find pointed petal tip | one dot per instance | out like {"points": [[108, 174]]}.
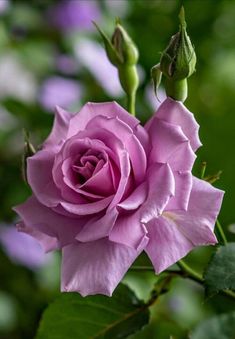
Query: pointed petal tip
{"points": [[85, 292]]}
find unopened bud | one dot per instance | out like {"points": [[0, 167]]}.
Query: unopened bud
{"points": [[123, 54], [178, 61], [124, 46]]}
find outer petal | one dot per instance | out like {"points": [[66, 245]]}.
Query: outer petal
{"points": [[95, 267], [183, 187], [108, 110], [166, 243], [128, 230], [176, 113], [135, 199], [59, 129], [161, 187], [38, 218], [98, 227], [91, 110], [47, 243], [39, 174], [169, 144], [175, 233]]}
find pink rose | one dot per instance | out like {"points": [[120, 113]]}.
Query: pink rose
{"points": [[105, 189]]}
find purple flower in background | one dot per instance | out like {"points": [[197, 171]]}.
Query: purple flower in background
{"points": [[66, 64], [16, 81], [59, 91], [22, 248], [70, 15], [91, 55], [4, 6]]}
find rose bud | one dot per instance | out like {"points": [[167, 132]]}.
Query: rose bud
{"points": [[177, 63], [123, 54]]}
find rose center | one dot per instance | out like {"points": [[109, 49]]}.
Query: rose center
{"points": [[88, 165]]}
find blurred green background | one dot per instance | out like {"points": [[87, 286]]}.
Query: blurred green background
{"points": [[50, 54]]}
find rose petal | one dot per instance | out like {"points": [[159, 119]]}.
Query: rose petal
{"points": [[135, 199], [39, 175], [125, 169], [60, 128], [169, 144], [95, 184], [91, 110], [166, 244], [128, 230], [96, 267], [204, 204], [183, 187], [38, 218], [98, 227], [64, 175], [47, 243], [175, 233], [161, 187], [143, 137], [124, 133], [119, 159], [88, 208], [176, 113], [183, 158]]}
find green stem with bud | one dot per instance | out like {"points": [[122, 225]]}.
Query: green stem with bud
{"points": [[187, 271], [176, 89], [129, 80]]}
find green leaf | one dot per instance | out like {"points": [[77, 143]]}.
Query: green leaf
{"points": [[73, 316], [220, 273], [219, 327]]}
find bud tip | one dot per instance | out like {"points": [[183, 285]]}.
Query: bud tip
{"points": [[182, 17]]}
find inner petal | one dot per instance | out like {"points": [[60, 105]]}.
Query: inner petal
{"points": [[89, 158], [84, 172], [100, 182], [89, 174]]}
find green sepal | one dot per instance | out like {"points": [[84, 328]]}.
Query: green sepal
{"points": [[28, 151], [113, 56], [156, 75]]}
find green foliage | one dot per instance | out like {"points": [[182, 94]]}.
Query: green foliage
{"points": [[73, 316], [220, 273], [220, 327]]}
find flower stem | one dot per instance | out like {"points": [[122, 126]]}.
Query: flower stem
{"points": [[142, 268], [131, 103], [188, 272], [221, 232], [193, 275], [176, 89]]}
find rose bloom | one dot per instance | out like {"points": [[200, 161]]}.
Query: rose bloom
{"points": [[106, 188]]}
